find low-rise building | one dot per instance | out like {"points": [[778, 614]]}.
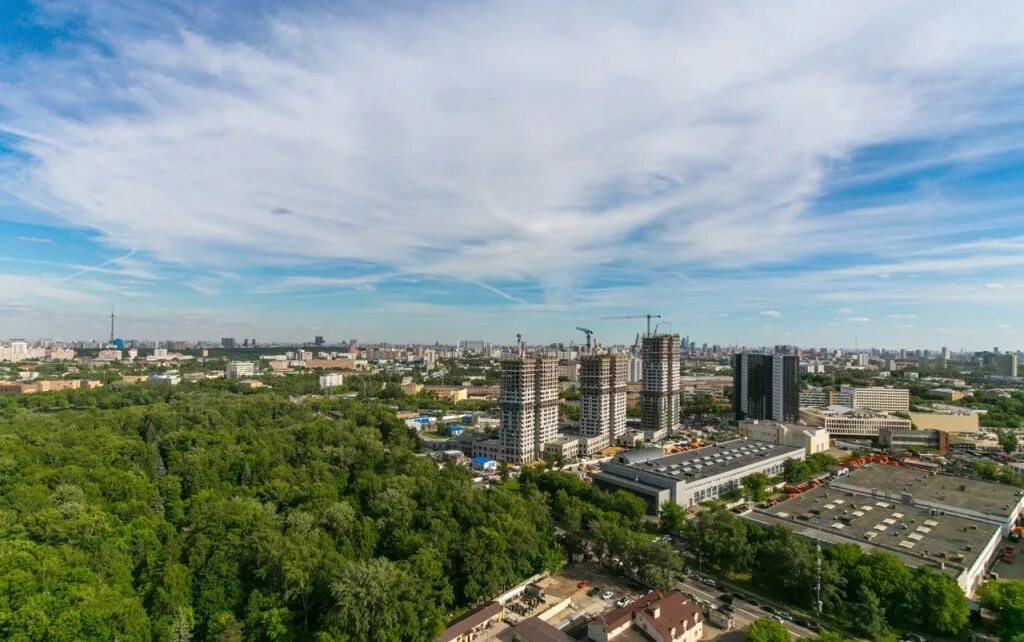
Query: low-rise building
{"points": [[537, 630], [900, 439], [241, 369], [331, 380], [451, 394], [946, 394], [562, 449], [108, 355], [484, 464], [692, 477], [811, 439], [663, 618], [977, 442], [965, 421], [169, 378], [843, 421], [471, 624]]}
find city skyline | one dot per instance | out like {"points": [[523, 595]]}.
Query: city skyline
{"points": [[758, 175]]}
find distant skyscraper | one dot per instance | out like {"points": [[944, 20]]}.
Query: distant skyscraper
{"points": [[318, 341], [227, 342], [528, 399], [473, 346], [766, 386], [659, 390], [602, 398], [1005, 365], [636, 370]]}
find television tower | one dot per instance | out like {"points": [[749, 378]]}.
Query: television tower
{"points": [[111, 323]]}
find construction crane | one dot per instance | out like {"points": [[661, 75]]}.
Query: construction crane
{"points": [[587, 332], [639, 316]]}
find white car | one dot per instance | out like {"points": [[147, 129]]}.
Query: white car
{"points": [[607, 595], [623, 601]]}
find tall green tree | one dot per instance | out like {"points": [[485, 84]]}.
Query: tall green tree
{"points": [[765, 630]]}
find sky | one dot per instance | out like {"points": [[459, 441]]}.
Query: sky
{"points": [[757, 173]]}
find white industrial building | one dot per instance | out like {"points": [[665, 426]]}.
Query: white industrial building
{"points": [[843, 421], [694, 476], [811, 439]]}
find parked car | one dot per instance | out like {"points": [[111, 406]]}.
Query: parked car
{"points": [[622, 601], [728, 608], [607, 595], [752, 602], [912, 637], [594, 591], [740, 596], [785, 616], [726, 597], [707, 581], [769, 610], [778, 619]]}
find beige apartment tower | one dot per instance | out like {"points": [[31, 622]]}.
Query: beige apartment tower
{"points": [[602, 399], [529, 407], [659, 390]]}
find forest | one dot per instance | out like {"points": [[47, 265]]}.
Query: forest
{"points": [[201, 512]]}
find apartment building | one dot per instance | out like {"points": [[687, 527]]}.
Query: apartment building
{"points": [[878, 398], [602, 388], [241, 369], [766, 386], [659, 391], [529, 407]]}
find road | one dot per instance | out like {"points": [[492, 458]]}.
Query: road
{"points": [[744, 613]]}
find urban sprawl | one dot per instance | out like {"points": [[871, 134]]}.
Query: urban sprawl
{"points": [[721, 452]]}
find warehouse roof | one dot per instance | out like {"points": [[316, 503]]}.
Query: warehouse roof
{"points": [[916, 535], [703, 462], [957, 492]]}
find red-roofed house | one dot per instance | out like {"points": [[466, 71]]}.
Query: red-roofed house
{"points": [[664, 618]]}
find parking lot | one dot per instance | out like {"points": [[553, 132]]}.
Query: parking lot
{"points": [[592, 600]]}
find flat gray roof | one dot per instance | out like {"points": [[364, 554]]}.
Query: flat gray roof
{"points": [[913, 534], [959, 492], [703, 462]]}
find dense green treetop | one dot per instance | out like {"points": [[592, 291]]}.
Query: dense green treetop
{"points": [[205, 512]]}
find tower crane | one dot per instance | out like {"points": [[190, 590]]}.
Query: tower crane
{"points": [[587, 332], [639, 316]]}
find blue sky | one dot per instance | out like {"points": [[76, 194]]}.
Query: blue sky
{"points": [[758, 174]]}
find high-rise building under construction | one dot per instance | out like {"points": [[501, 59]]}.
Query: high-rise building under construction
{"points": [[529, 407], [659, 390], [602, 388]]}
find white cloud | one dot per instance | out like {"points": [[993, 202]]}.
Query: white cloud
{"points": [[1004, 326], [34, 239], [505, 143], [771, 313], [902, 316], [859, 320], [994, 286]]}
